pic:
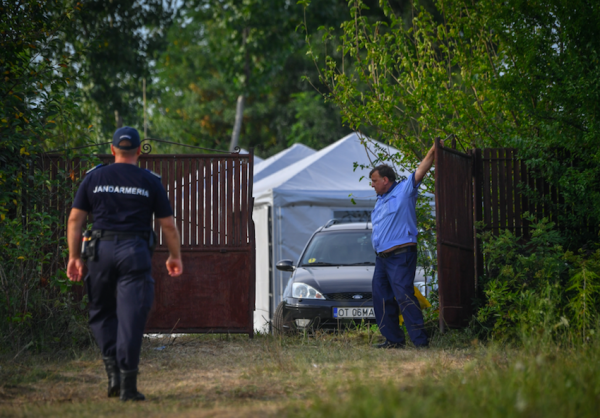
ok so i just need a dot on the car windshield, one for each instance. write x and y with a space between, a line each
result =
339 248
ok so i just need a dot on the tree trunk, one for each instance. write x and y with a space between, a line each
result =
237 127
118 120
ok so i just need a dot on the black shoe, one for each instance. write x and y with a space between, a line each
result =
387 344
114 376
129 390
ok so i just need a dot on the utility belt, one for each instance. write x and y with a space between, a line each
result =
407 249
89 248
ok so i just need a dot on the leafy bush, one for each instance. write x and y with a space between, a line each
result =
583 293
37 305
40 307
535 288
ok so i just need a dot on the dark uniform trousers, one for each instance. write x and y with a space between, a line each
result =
394 277
120 292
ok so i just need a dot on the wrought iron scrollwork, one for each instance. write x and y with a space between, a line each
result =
146 147
236 151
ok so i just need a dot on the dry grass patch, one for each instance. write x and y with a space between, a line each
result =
209 375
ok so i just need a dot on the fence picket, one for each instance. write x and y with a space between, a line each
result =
487 199
517 198
510 198
229 203
495 204
502 189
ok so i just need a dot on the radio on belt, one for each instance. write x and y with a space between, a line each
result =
85 240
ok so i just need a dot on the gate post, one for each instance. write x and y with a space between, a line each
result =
438 216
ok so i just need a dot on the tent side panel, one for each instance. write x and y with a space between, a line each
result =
260 216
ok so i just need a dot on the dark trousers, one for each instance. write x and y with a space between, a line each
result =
121 292
394 277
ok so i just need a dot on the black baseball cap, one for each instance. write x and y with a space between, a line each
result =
126 133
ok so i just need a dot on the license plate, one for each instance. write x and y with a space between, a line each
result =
353 313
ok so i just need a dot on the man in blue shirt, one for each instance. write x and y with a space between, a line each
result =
122 197
394 221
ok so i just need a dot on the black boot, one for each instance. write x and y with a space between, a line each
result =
129 386
114 377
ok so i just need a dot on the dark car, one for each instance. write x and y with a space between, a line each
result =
331 286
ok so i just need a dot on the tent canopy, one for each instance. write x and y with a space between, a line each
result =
281 160
326 177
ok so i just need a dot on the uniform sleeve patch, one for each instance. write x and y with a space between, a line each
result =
153 173
95 168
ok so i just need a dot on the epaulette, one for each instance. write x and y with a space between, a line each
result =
94 168
153 173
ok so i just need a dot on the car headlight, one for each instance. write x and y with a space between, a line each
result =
304 291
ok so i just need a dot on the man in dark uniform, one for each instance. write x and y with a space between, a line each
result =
394 221
122 198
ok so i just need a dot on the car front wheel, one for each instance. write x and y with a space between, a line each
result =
282 324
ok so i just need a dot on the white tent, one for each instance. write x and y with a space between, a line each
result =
292 203
281 160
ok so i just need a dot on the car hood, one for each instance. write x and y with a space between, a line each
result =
334 279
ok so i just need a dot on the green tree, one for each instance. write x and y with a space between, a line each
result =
517 74
207 67
550 75
117 43
36 109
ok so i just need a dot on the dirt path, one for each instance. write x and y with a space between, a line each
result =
212 376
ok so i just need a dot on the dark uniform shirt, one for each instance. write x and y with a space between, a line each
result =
122 197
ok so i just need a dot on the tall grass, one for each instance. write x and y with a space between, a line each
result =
537 380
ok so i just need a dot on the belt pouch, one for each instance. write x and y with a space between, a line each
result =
87 235
93 245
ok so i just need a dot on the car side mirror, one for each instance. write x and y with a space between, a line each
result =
285 265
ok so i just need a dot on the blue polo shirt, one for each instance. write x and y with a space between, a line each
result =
394 217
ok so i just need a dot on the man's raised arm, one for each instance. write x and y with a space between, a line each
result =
425 165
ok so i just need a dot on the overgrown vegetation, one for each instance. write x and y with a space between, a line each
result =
517 74
542 381
37 307
535 288
40 308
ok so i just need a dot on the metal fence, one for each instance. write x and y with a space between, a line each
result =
489 187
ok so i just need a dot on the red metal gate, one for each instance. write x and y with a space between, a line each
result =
492 186
455 241
211 196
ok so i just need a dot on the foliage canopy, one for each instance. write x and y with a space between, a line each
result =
517 74
38 308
